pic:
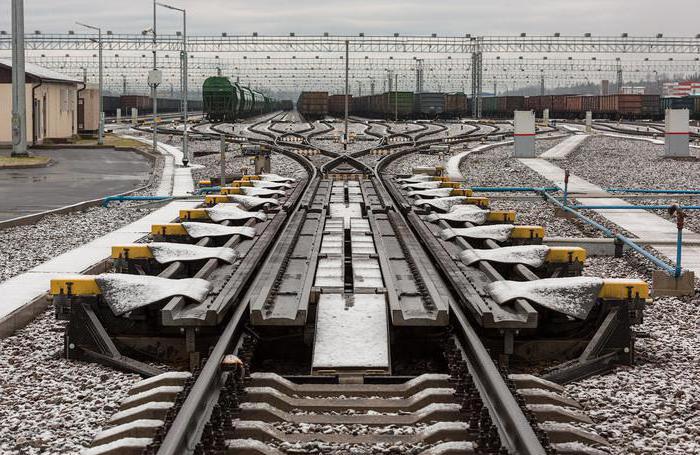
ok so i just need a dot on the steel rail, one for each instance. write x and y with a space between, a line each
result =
185 431
516 432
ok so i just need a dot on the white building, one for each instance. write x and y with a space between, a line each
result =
52 100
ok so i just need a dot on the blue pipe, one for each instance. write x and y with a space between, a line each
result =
634 207
639 190
208 189
670 270
107 200
679 248
507 189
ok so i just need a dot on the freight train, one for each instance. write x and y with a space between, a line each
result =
405 105
225 100
618 106
144 106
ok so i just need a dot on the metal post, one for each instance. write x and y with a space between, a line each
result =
347 90
542 83
19 96
154 88
566 187
396 96
680 217
101 132
222 161
185 136
101 127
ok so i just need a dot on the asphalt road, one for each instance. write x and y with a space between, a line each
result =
77 175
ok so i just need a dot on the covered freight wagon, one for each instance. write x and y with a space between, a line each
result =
224 100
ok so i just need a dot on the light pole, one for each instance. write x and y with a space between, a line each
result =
183 83
19 101
101 129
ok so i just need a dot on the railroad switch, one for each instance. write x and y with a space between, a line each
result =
564 262
194 215
500 216
526 235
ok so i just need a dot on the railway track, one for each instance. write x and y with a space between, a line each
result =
345 324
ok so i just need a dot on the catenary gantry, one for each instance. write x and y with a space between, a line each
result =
397 44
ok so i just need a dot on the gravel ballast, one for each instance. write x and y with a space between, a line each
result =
49 405
652 407
623 163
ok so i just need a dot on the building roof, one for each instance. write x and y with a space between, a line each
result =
40 72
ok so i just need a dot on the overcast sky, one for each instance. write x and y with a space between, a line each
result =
446 17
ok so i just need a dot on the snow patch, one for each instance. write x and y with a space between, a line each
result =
443 203
532 255
124 293
261 192
231 212
270 185
497 232
166 253
416 178
422 185
252 202
574 296
433 193
199 230
462 214
351 332
275 178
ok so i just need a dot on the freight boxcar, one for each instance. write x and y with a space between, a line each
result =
590 103
336 104
685 102
630 106
313 105
140 102
429 104
558 106
533 103
110 104
489 106
574 106
456 105
399 104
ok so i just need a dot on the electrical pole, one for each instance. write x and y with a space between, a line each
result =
542 83
396 96
347 90
19 100
101 128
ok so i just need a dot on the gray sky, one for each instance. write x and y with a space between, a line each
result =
446 17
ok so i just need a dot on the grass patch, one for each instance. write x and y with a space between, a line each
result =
8 161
